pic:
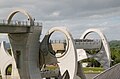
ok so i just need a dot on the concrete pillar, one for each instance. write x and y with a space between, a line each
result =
25 49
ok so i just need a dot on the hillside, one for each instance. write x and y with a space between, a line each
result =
115 51
114 44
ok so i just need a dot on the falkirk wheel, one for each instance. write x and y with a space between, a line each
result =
73 45
30 56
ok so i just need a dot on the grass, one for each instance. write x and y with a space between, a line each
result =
93 70
51 67
87 70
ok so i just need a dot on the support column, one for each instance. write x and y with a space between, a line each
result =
25 49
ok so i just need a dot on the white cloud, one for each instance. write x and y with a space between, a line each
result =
77 15
104 24
95 16
57 13
4 37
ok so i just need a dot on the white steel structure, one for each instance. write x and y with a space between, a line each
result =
104 55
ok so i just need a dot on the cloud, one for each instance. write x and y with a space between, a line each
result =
57 13
67 9
77 15
4 37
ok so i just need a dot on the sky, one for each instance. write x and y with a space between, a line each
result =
76 15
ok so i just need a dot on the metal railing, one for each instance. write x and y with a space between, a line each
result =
19 23
57 41
97 41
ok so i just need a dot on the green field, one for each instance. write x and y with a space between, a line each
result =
92 70
87 70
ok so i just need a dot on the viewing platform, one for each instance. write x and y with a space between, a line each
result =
17 26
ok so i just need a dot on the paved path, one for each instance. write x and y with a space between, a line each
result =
90 76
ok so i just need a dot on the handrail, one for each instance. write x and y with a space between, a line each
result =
76 41
19 23
57 41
